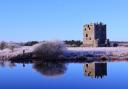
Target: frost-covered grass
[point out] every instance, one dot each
(7, 53)
(42, 50)
(54, 49)
(98, 51)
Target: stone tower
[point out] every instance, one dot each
(95, 35)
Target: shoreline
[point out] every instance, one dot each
(71, 53)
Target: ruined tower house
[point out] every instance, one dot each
(95, 35)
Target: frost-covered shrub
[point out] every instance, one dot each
(49, 50)
(3, 45)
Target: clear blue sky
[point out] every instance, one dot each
(24, 20)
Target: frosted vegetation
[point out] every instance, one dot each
(100, 51)
(48, 50)
(9, 50)
(58, 50)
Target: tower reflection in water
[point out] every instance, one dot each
(95, 70)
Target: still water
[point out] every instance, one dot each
(38, 75)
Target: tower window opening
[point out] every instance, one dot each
(86, 35)
(90, 38)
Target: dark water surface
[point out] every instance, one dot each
(110, 75)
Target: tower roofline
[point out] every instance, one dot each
(96, 24)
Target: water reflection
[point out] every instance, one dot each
(49, 68)
(95, 70)
(9, 64)
(54, 69)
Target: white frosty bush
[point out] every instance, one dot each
(3, 45)
(49, 50)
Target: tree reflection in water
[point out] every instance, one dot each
(49, 68)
